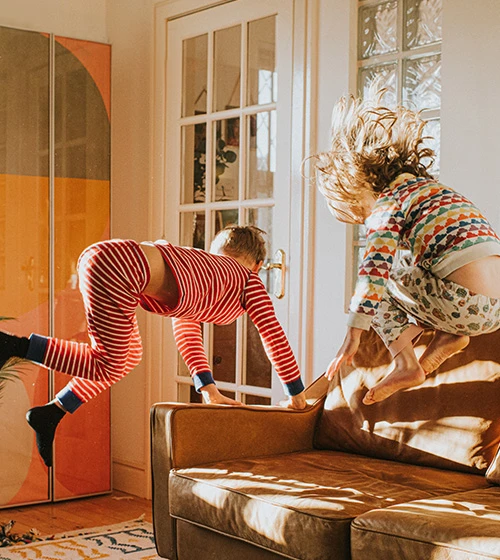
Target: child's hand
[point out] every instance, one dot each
(212, 395)
(297, 402)
(346, 353)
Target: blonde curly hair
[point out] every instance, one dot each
(370, 146)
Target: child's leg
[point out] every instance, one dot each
(407, 373)
(442, 346)
(450, 309)
(112, 277)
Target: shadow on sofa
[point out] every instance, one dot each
(403, 479)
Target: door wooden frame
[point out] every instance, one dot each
(301, 281)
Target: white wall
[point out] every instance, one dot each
(470, 135)
(69, 18)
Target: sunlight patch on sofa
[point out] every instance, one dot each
(211, 495)
(267, 520)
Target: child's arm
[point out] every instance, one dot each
(261, 311)
(189, 342)
(346, 353)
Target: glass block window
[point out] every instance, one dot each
(399, 43)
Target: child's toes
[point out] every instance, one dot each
(369, 398)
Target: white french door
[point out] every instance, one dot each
(228, 84)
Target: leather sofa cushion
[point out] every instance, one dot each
(302, 504)
(464, 526)
(450, 422)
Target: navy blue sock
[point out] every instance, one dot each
(44, 420)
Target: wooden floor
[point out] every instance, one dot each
(82, 513)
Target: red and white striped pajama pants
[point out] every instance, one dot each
(112, 276)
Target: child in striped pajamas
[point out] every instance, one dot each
(187, 284)
(376, 173)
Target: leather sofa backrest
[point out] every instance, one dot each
(452, 421)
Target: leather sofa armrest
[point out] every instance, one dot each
(195, 434)
(184, 435)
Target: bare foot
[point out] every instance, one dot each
(441, 347)
(407, 373)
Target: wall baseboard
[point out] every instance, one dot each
(131, 479)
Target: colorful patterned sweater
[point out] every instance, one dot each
(442, 229)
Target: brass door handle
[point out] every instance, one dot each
(279, 264)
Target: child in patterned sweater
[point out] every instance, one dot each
(376, 173)
(187, 284)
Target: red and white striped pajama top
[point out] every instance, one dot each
(212, 289)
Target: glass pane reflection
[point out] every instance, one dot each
(227, 73)
(225, 218)
(193, 229)
(258, 366)
(261, 155)
(194, 139)
(224, 352)
(262, 76)
(194, 75)
(253, 399)
(226, 164)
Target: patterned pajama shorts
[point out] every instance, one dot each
(415, 297)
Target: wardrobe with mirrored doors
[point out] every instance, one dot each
(54, 202)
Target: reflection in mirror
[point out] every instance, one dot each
(261, 155)
(194, 75)
(227, 64)
(262, 75)
(194, 137)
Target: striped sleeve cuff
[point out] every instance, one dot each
(294, 387)
(201, 379)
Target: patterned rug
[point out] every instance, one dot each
(132, 540)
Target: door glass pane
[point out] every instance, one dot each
(263, 219)
(258, 366)
(377, 29)
(262, 76)
(194, 141)
(422, 82)
(24, 249)
(423, 22)
(226, 165)
(192, 232)
(253, 399)
(227, 68)
(224, 354)
(261, 155)
(194, 75)
(225, 218)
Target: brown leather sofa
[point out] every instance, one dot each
(412, 478)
